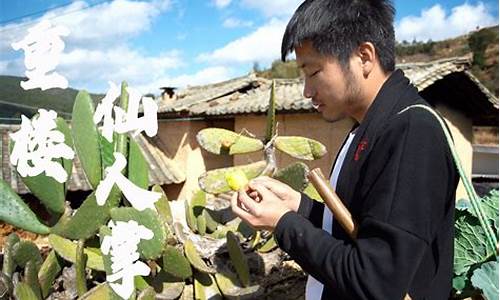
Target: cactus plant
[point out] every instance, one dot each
(24, 291)
(162, 205)
(210, 221)
(195, 259)
(9, 263)
(238, 258)
(81, 262)
(147, 294)
(14, 211)
(49, 270)
(222, 141)
(214, 181)
(25, 251)
(299, 147)
(176, 267)
(187, 292)
(67, 250)
(231, 289)
(295, 175)
(99, 292)
(175, 263)
(31, 277)
(167, 287)
(137, 166)
(86, 137)
(149, 249)
(269, 245)
(205, 287)
(6, 286)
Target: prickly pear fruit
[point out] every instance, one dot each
(236, 179)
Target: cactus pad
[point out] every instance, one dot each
(67, 250)
(211, 223)
(238, 258)
(100, 292)
(25, 251)
(149, 249)
(214, 182)
(31, 277)
(138, 171)
(175, 263)
(23, 291)
(48, 272)
(187, 293)
(195, 259)
(231, 289)
(14, 211)
(205, 287)
(162, 205)
(147, 294)
(86, 221)
(9, 263)
(86, 137)
(300, 147)
(222, 141)
(295, 175)
(311, 192)
(269, 245)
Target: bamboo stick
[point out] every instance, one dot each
(333, 202)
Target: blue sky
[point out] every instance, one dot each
(189, 42)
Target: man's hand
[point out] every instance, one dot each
(263, 211)
(289, 196)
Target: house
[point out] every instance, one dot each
(240, 104)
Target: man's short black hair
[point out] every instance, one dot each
(338, 27)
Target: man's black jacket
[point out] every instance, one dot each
(398, 180)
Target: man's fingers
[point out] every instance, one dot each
(240, 212)
(254, 195)
(247, 202)
(264, 192)
(275, 186)
(266, 179)
(267, 184)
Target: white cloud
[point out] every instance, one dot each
(234, 22)
(222, 3)
(262, 46)
(284, 8)
(93, 27)
(434, 23)
(81, 66)
(98, 49)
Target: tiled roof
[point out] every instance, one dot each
(250, 94)
(162, 170)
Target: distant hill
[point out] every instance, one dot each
(483, 44)
(15, 101)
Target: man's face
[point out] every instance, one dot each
(332, 90)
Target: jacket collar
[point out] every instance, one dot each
(395, 94)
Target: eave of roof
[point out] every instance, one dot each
(250, 94)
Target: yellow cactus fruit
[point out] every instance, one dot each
(236, 179)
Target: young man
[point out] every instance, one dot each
(394, 172)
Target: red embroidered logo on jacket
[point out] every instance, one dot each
(361, 146)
